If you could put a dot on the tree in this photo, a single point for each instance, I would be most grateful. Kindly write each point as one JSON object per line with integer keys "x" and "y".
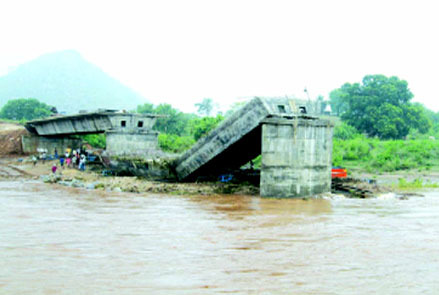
{"x": 25, "y": 109}
{"x": 202, "y": 126}
{"x": 379, "y": 106}
{"x": 147, "y": 108}
{"x": 205, "y": 107}
{"x": 345, "y": 131}
{"x": 337, "y": 100}
{"x": 172, "y": 121}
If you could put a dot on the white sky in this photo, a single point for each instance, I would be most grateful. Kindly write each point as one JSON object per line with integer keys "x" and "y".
{"x": 180, "y": 52}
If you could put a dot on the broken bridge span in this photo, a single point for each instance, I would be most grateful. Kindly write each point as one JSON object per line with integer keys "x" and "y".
{"x": 295, "y": 148}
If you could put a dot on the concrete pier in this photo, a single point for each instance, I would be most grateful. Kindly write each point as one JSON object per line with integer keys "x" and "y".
{"x": 131, "y": 144}
{"x": 296, "y": 157}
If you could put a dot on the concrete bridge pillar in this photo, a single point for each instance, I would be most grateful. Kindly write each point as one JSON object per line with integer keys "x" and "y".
{"x": 296, "y": 157}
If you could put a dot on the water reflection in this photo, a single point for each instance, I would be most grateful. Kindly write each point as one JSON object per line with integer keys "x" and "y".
{"x": 57, "y": 240}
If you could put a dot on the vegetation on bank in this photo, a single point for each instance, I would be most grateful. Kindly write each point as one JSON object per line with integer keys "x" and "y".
{"x": 178, "y": 130}
{"x": 374, "y": 155}
{"x": 381, "y": 130}
{"x": 415, "y": 184}
{"x": 354, "y": 150}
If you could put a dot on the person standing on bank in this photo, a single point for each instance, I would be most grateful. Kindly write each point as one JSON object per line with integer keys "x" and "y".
{"x": 54, "y": 168}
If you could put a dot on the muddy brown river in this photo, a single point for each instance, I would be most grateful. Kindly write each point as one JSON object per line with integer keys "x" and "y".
{"x": 56, "y": 240}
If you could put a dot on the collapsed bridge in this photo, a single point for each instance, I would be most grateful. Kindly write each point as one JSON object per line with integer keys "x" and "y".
{"x": 296, "y": 148}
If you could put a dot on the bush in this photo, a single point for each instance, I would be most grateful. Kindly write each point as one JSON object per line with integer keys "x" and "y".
{"x": 345, "y": 131}
{"x": 385, "y": 156}
{"x": 174, "y": 143}
{"x": 96, "y": 140}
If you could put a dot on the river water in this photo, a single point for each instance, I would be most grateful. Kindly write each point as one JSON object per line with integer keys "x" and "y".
{"x": 56, "y": 240}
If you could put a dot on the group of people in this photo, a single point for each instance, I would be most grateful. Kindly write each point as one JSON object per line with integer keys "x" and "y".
{"x": 71, "y": 159}
{"x": 75, "y": 159}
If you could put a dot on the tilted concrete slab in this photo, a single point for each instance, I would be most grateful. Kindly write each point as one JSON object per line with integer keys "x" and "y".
{"x": 236, "y": 141}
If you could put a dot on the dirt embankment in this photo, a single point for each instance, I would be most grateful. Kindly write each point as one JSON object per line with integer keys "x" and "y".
{"x": 22, "y": 168}
{"x": 10, "y": 139}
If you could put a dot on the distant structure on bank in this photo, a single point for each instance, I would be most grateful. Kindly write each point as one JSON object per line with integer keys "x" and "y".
{"x": 294, "y": 144}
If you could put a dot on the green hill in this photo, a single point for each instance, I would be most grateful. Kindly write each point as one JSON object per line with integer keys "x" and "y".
{"x": 69, "y": 82}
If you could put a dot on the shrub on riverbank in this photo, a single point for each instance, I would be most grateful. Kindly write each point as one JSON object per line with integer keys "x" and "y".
{"x": 373, "y": 154}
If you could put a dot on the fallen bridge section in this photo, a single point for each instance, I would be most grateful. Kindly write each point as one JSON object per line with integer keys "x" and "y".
{"x": 233, "y": 143}
{"x": 296, "y": 149}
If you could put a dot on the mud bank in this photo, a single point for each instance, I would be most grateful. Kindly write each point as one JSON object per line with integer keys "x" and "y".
{"x": 23, "y": 168}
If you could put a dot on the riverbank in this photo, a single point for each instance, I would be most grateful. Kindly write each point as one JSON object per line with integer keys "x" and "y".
{"x": 14, "y": 167}
{"x": 402, "y": 183}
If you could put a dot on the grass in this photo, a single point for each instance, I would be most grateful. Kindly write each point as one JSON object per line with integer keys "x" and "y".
{"x": 378, "y": 156}
{"x": 415, "y": 184}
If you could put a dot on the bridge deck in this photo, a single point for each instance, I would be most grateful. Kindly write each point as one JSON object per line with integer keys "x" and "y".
{"x": 87, "y": 123}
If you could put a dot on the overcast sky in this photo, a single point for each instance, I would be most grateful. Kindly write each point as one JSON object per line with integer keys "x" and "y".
{"x": 180, "y": 52}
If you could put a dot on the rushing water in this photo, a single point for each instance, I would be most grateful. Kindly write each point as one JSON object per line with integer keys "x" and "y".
{"x": 67, "y": 241}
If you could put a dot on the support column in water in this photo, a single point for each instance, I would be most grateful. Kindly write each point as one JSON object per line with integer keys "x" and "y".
{"x": 296, "y": 157}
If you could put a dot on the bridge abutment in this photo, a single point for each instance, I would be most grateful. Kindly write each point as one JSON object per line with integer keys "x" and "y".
{"x": 296, "y": 157}
{"x": 32, "y": 144}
